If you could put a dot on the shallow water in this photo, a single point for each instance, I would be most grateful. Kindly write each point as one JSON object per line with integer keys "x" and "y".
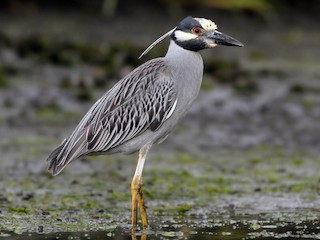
{"x": 252, "y": 229}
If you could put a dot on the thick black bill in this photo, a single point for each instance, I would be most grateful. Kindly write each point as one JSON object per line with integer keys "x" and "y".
{"x": 224, "y": 39}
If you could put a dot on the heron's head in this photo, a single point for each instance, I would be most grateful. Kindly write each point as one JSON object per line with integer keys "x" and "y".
{"x": 196, "y": 34}
{"x": 199, "y": 33}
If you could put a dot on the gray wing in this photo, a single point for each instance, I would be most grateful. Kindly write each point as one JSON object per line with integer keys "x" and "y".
{"x": 141, "y": 101}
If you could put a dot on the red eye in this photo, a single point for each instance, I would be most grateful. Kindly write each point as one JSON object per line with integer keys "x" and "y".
{"x": 196, "y": 30}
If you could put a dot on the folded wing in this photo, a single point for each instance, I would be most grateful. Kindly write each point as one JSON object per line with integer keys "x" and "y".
{"x": 141, "y": 101}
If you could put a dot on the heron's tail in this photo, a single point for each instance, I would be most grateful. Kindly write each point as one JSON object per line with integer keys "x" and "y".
{"x": 54, "y": 160}
{"x": 68, "y": 150}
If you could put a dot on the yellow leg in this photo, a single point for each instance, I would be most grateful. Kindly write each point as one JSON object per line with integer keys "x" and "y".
{"x": 134, "y": 235}
{"x": 134, "y": 197}
{"x": 136, "y": 190}
{"x": 143, "y": 211}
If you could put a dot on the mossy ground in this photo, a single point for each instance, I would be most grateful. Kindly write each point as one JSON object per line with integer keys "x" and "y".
{"x": 223, "y": 190}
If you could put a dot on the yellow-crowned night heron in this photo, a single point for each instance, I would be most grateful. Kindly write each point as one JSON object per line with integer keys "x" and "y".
{"x": 143, "y": 107}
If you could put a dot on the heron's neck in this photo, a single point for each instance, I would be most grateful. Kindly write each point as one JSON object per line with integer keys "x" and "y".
{"x": 187, "y": 69}
{"x": 183, "y": 60}
{"x": 177, "y": 52}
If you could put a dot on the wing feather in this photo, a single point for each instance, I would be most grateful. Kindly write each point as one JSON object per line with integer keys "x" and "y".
{"x": 140, "y": 101}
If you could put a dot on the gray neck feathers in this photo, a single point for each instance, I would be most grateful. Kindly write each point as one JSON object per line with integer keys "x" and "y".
{"x": 184, "y": 61}
{"x": 180, "y": 54}
{"x": 187, "y": 69}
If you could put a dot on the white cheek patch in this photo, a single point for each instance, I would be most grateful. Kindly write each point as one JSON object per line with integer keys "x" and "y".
{"x": 207, "y": 24}
{"x": 184, "y": 36}
{"x": 210, "y": 43}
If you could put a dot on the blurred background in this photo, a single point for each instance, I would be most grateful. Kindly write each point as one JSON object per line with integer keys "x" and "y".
{"x": 58, "y": 57}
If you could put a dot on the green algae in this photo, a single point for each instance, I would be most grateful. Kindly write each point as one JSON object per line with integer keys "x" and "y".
{"x": 181, "y": 209}
{"x": 179, "y": 184}
{"x": 4, "y": 82}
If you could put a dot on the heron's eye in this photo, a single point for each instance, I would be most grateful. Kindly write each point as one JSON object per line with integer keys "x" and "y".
{"x": 196, "y": 30}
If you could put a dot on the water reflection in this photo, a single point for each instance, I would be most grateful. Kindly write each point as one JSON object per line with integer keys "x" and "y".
{"x": 233, "y": 230}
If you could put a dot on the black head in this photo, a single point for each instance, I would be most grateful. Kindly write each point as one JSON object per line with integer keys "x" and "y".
{"x": 195, "y": 34}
